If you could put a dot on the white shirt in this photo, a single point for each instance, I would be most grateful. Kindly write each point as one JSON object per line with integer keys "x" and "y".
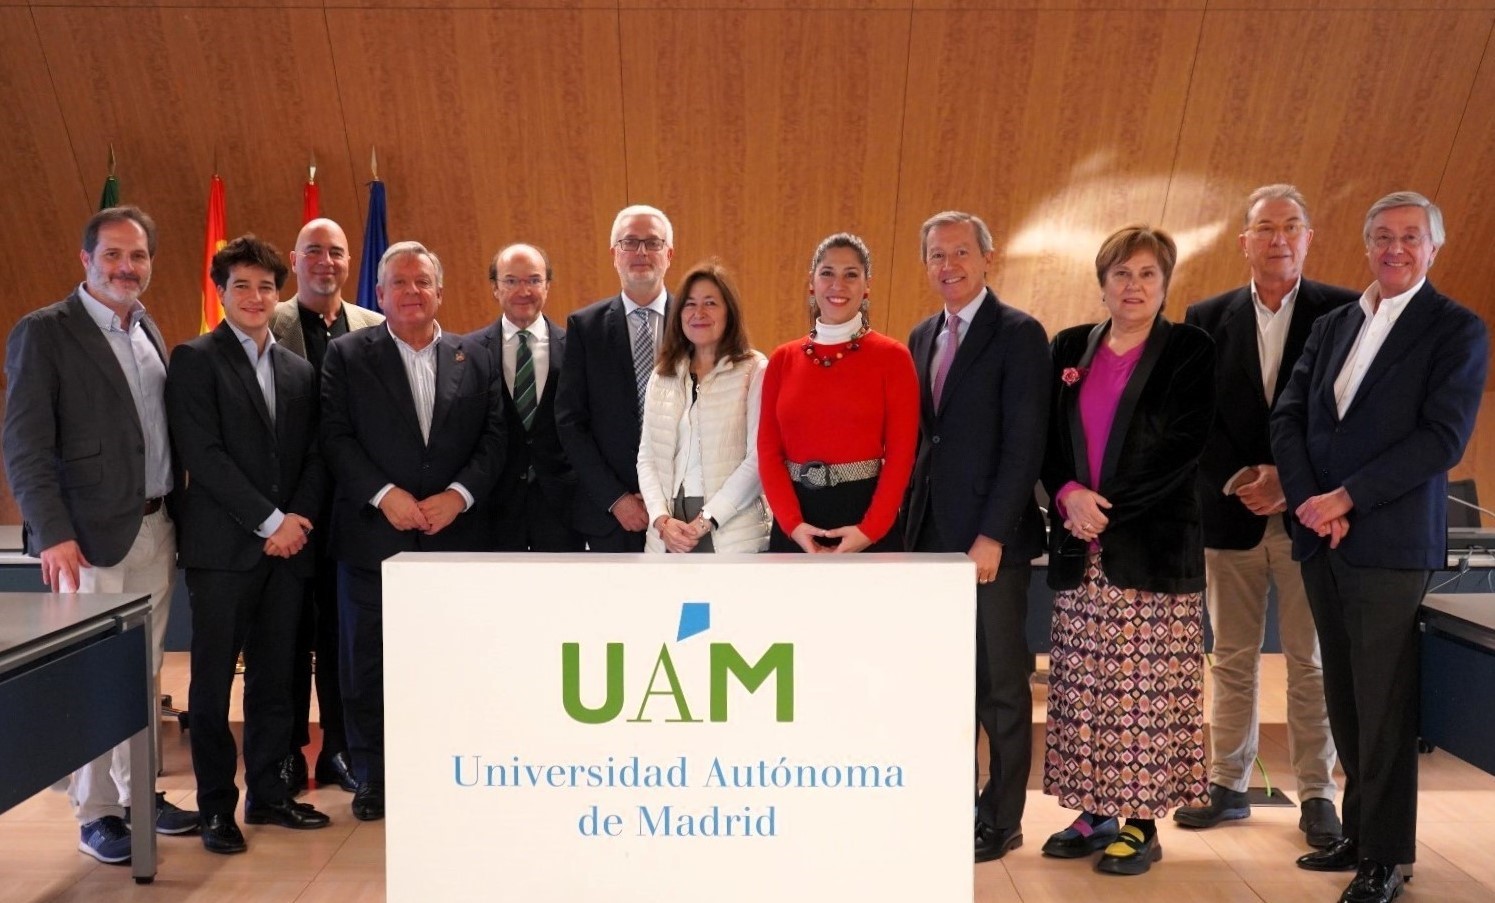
{"x": 1271, "y": 335}
{"x": 656, "y": 319}
{"x": 420, "y": 372}
{"x": 966, "y": 315}
{"x": 145, "y": 374}
{"x": 539, "y": 349}
{"x": 1379, "y": 318}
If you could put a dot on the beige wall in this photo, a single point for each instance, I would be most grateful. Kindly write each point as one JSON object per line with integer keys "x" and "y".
{"x": 759, "y": 131}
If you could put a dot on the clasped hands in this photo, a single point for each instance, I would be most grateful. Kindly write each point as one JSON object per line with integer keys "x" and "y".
{"x": 430, "y": 515}
{"x": 851, "y": 537}
{"x": 289, "y": 538}
{"x": 680, "y": 537}
{"x": 1326, "y": 515}
{"x": 1083, "y": 517}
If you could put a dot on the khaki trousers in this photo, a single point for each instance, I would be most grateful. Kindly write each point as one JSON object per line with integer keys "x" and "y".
{"x": 102, "y": 787}
{"x": 1236, "y": 597}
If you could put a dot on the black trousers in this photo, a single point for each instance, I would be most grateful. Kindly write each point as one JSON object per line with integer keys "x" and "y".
{"x": 829, "y": 507}
{"x": 531, "y": 524}
{"x": 255, "y": 612}
{"x": 616, "y": 540}
{"x": 317, "y": 631}
{"x": 1004, "y": 693}
{"x": 1367, "y": 626}
{"x": 360, "y": 598}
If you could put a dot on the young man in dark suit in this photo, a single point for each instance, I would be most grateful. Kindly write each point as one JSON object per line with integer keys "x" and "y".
{"x": 1379, "y": 407}
{"x": 413, "y": 432}
{"x": 610, "y": 352}
{"x": 89, "y": 461}
{"x": 243, "y": 415}
{"x": 531, "y": 502}
{"x": 984, "y": 383}
{"x": 1259, "y": 330}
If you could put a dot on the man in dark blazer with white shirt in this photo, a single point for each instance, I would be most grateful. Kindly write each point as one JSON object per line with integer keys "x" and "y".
{"x": 413, "y": 432}
{"x": 250, "y": 486}
{"x": 1259, "y": 331}
{"x": 531, "y": 501}
{"x": 984, "y": 386}
{"x": 610, "y": 351}
{"x": 1380, "y": 406}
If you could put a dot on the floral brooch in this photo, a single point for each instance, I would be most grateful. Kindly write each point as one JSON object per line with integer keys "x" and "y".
{"x": 1072, "y": 375}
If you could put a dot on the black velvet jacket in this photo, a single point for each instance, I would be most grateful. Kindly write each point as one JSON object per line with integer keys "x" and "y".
{"x": 1154, "y": 541}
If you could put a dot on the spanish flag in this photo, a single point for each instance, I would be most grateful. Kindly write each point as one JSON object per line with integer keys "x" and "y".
{"x": 217, "y": 237}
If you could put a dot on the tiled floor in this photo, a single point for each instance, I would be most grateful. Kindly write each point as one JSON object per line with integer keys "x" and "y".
{"x": 1241, "y": 861}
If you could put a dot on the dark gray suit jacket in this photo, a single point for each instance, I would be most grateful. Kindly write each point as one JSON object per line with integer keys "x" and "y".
{"x": 74, "y": 448}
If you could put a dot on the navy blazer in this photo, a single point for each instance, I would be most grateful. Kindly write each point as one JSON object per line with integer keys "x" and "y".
{"x": 1241, "y": 437}
{"x": 597, "y": 411}
{"x": 74, "y": 449}
{"x": 371, "y": 437}
{"x": 981, "y": 450}
{"x": 233, "y": 467}
{"x": 540, "y": 446}
{"x": 1407, "y": 425}
{"x": 1148, "y": 473}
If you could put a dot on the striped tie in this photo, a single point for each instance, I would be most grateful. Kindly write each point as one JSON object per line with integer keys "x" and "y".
{"x": 524, "y": 380}
{"x": 643, "y": 355}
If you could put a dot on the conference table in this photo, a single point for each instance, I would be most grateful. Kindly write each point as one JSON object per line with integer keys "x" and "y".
{"x": 75, "y": 681}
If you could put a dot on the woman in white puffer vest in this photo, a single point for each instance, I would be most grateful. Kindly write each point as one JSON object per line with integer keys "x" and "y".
{"x": 698, "y": 456}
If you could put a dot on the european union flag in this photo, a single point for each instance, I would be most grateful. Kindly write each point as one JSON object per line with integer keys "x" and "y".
{"x": 375, "y": 241}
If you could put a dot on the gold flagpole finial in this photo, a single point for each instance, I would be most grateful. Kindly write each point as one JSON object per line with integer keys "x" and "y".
{"x": 311, "y": 169}
{"x": 111, "y": 159}
{"x": 374, "y": 162}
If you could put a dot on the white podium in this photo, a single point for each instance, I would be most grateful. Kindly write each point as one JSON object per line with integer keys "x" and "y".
{"x": 679, "y": 728}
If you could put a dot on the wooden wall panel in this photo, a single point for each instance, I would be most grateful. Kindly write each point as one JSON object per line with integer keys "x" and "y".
{"x": 1478, "y": 462}
{"x": 1310, "y": 105}
{"x": 553, "y": 5}
{"x": 172, "y": 119}
{"x": 762, "y": 140}
{"x": 1465, "y": 268}
{"x": 1055, "y": 128}
{"x": 516, "y": 134}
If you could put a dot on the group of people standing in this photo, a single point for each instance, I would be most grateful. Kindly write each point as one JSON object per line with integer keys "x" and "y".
{"x": 1283, "y": 420}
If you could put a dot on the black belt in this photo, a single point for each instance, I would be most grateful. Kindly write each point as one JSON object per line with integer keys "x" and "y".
{"x": 152, "y": 505}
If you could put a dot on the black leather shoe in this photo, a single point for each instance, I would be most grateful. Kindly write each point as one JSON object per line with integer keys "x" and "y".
{"x": 1131, "y": 854}
{"x": 1319, "y": 823}
{"x": 1072, "y": 843}
{"x": 336, "y": 771}
{"x": 1374, "y": 883}
{"x": 293, "y": 773}
{"x": 1224, "y": 805}
{"x": 286, "y": 813}
{"x": 368, "y": 802}
{"x": 221, "y": 835}
{"x": 994, "y": 843}
{"x": 1341, "y": 856}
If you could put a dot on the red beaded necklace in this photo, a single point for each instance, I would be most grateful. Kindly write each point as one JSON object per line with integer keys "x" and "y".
{"x": 854, "y": 344}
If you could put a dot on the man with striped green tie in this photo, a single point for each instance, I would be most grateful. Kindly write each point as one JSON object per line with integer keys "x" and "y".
{"x": 532, "y": 497}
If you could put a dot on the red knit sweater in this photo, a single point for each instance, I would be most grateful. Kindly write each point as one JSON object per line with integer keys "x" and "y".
{"x": 864, "y": 406}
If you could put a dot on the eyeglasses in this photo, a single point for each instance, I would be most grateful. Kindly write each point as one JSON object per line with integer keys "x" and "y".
{"x": 512, "y": 282}
{"x": 633, "y": 244}
{"x": 1384, "y": 240}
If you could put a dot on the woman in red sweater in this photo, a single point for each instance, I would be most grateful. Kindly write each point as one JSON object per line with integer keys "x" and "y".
{"x": 840, "y": 418}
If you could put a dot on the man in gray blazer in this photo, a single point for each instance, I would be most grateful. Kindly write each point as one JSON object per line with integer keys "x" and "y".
{"x": 303, "y": 324}
{"x": 89, "y": 462}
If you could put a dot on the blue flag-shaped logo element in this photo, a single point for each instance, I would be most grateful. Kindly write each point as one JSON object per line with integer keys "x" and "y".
{"x": 695, "y": 617}
{"x": 375, "y": 241}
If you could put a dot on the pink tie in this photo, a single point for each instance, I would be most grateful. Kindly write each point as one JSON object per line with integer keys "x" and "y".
{"x": 947, "y": 357}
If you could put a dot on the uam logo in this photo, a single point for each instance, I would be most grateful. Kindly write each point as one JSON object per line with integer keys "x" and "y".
{"x": 726, "y": 662}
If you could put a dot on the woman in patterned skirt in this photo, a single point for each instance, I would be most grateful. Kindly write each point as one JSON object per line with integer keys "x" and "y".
{"x": 1133, "y": 399}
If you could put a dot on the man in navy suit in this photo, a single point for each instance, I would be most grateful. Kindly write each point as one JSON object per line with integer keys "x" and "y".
{"x": 984, "y": 387}
{"x": 1379, "y": 407}
{"x": 413, "y": 432}
{"x": 1259, "y": 331}
{"x": 531, "y": 501}
{"x": 243, "y": 416}
{"x": 610, "y": 352}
